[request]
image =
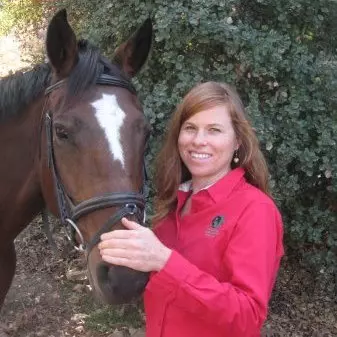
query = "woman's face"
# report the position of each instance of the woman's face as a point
(206, 145)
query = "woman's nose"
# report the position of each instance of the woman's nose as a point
(200, 138)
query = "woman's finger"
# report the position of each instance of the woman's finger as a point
(131, 224)
(118, 261)
(116, 252)
(118, 243)
(130, 263)
(118, 234)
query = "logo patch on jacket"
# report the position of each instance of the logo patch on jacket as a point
(215, 226)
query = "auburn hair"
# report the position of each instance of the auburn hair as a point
(170, 171)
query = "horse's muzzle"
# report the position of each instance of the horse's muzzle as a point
(120, 284)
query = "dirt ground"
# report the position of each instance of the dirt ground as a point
(50, 297)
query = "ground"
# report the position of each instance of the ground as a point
(50, 295)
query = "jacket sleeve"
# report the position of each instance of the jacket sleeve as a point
(251, 258)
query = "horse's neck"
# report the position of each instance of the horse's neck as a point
(20, 196)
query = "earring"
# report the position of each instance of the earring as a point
(236, 158)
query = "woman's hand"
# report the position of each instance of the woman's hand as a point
(137, 248)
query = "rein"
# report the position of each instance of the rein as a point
(129, 203)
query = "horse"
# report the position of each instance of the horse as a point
(72, 140)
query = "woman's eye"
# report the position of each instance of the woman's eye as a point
(215, 130)
(61, 132)
(189, 128)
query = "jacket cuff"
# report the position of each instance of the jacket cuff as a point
(175, 272)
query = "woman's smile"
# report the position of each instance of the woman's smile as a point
(198, 155)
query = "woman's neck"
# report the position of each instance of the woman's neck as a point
(199, 184)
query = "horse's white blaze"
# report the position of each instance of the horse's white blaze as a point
(110, 117)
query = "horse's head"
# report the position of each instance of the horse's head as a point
(93, 146)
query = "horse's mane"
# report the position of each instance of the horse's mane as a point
(19, 90)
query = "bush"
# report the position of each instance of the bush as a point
(26, 21)
(281, 56)
(14, 13)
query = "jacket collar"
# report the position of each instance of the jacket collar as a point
(219, 190)
(224, 186)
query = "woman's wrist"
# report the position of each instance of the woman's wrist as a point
(163, 258)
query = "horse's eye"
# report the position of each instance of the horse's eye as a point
(61, 132)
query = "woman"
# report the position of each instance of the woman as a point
(218, 235)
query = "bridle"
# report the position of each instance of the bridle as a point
(129, 203)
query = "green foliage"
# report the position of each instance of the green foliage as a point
(19, 13)
(281, 56)
(26, 21)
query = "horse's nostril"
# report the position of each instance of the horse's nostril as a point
(106, 276)
(103, 273)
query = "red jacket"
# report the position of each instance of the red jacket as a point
(226, 254)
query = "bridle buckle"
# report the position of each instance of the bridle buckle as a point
(132, 208)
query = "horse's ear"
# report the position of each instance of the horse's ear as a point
(61, 44)
(132, 54)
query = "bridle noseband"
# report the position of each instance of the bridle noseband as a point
(129, 203)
